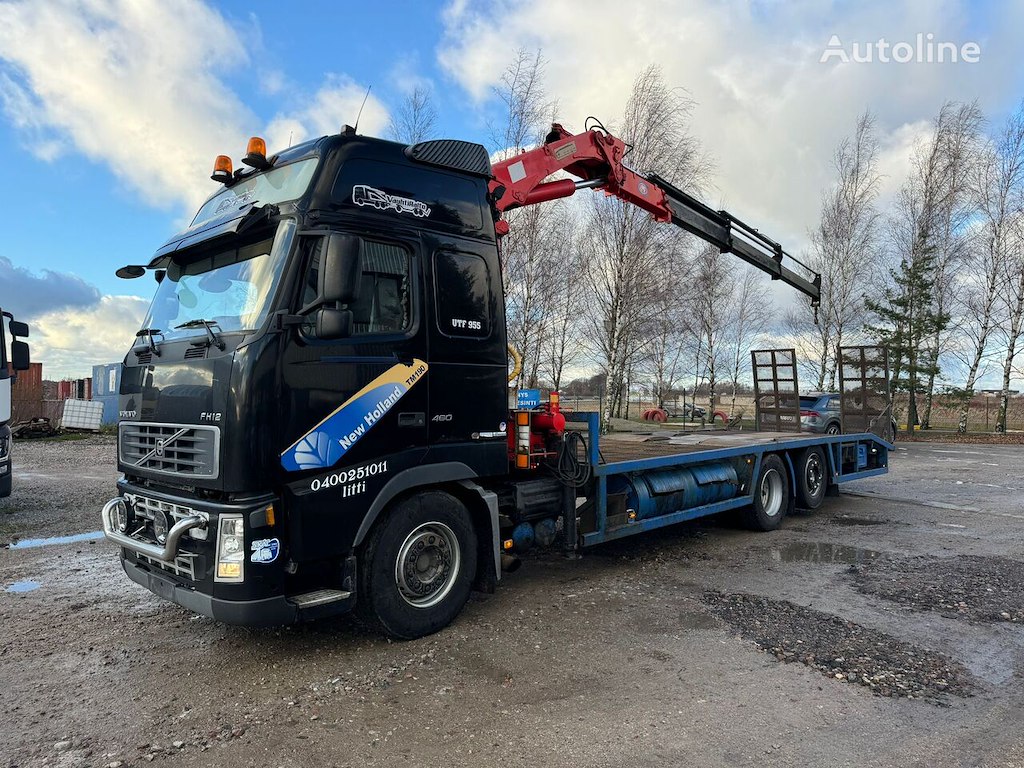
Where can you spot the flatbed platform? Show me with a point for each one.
(629, 446)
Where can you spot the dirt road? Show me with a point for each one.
(886, 630)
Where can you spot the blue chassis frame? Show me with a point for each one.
(833, 445)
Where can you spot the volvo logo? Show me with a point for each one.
(159, 450)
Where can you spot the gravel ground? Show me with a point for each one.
(624, 658)
(983, 589)
(60, 486)
(841, 649)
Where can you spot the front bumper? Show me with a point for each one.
(268, 612)
(181, 569)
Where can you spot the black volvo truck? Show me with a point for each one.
(314, 416)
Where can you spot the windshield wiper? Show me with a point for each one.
(213, 337)
(149, 333)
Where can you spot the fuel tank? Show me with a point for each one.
(663, 491)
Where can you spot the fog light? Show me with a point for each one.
(230, 548)
(160, 526)
(121, 516)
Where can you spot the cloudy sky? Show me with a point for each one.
(111, 112)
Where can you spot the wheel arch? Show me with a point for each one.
(455, 478)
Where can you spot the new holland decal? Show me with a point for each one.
(331, 439)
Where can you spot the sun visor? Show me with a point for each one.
(245, 219)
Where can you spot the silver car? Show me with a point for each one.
(819, 413)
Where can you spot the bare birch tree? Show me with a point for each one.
(998, 186)
(531, 247)
(626, 246)
(844, 249)
(1011, 153)
(750, 318)
(415, 119)
(952, 160)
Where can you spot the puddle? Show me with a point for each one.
(19, 587)
(820, 552)
(30, 543)
(846, 520)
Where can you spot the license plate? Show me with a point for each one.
(162, 588)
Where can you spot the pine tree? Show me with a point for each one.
(908, 320)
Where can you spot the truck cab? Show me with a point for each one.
(327, 336)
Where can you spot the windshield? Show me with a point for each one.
(277, 186)
(232, 288)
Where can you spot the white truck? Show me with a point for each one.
(18, 360)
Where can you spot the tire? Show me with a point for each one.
(6, 484)
(833, 429)
(408, 595)
(771, 495)
(811, 479)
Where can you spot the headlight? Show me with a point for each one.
(160, 526)
(230, 548)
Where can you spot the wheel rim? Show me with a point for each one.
(813, 474)
(771, 492)
(427, 565)
(832, 429)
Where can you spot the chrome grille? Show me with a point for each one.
(171, 449)
(183, 565)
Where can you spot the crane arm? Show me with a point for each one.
(596, 158)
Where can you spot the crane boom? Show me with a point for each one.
(595, 157)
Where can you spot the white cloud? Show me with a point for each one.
(768, 111)
(336, 103)
(135, 84)
(68, 342)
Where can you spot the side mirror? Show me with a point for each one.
(18, 328)
(333, 323)
(340, 269)
(19, 355)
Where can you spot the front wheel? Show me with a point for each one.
(771, 495)
(418, 566)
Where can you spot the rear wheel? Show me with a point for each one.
(418, 566)
(832, 429)
(771, 495)
(811, 479)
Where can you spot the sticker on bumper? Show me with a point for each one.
(265, 550)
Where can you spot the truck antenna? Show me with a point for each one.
(360, 112)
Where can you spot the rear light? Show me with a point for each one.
(812, 414)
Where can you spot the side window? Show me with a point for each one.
(463, 308)
(383, 302)
(833, 404)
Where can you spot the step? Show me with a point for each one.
(319, 597)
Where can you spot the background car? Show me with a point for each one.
(819, 413)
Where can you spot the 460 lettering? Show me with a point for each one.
(350, 475)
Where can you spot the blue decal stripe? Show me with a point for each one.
(328, 441)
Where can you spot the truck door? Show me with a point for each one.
(349, 405)
(468, 376)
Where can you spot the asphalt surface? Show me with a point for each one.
(682, 647)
